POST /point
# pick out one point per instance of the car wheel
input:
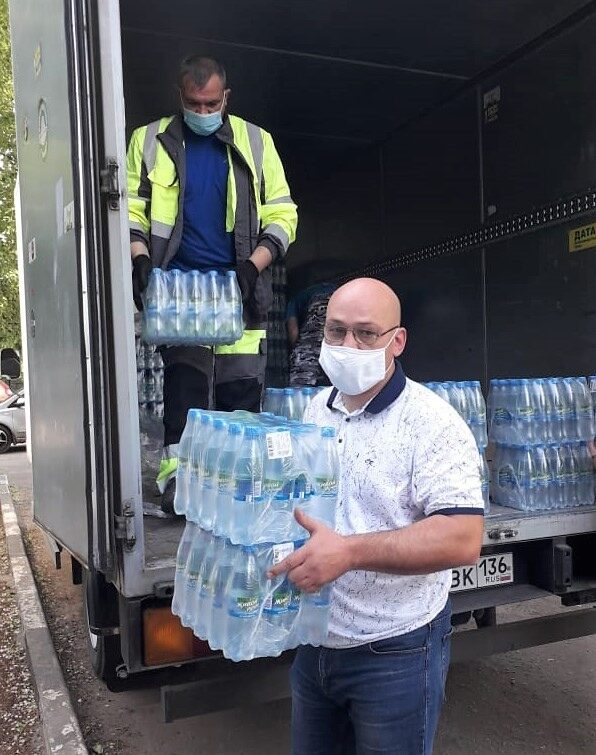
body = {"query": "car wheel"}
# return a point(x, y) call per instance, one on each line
point(6, 439)
point(104, 650)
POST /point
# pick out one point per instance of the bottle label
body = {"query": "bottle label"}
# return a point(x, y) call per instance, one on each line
point(245, 606)
point(326, 485)
point(223, 480)
point(501, 416)
point(279, 445)
point(279, 601)
point(246, 490)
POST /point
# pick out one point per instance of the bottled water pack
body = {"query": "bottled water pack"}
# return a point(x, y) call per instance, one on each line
point(290, 403)
point(223, 594)
point(467, 399)
point(541, 410)
point(192, 308)
point(536, 477)
point(240, 477)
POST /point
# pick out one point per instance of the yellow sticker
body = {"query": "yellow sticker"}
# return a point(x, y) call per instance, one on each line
point(582, 238)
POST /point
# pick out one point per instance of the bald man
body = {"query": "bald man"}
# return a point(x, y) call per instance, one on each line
point(410, 508)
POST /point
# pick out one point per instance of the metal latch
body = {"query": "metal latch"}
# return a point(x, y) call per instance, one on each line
point(504, 534)
point(110, 185)
point(125, 528)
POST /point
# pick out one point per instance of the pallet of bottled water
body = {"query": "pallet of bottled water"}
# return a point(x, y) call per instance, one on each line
point(540, 410)
point(467, 400)
point(192, 308)
point(290, 403)
point(240, 477)
point(543, 476)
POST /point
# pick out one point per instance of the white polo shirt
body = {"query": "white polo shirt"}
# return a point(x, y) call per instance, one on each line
point(405, 456)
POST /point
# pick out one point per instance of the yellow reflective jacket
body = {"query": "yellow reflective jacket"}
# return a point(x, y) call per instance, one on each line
point(259, 210)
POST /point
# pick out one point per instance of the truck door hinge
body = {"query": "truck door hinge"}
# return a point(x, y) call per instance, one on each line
point(125, 528)
point(110, 184)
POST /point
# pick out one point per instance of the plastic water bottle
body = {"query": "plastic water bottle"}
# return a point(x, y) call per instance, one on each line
point(244, 603)
point(568, 409)
point(155, 302)
point(202, 617)
point(225, 480)
point(326, 478)
point(233, 305)
point(586, 475)
point(314, 616)
point(181, 561)
point(484, 482)
point(524, 412)
point(538, 399)
point(583, 409)
point(222, 572)
point(197, 296)
point(287, 407)
point(211, 453)
point(200, 439)
point(177, 307)
point(248, 502)
point(308, 393)
point(191, 576)
point(182, 495)
point(553, 410)
point(541, 489)
point(276, 489)
point(592, 387)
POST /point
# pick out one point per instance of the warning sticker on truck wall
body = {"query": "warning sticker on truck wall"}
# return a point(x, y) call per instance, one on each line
point(491, 101)
point(582, 238)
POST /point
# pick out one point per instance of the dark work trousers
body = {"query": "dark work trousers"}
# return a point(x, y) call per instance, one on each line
point(197, 378)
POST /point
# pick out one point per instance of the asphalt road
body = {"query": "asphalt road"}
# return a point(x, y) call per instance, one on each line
point(540, 700)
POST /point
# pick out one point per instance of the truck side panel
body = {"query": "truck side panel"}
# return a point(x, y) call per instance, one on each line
point(53, 299)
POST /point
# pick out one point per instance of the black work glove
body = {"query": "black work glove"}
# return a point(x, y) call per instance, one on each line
point(141, 270)
point(247, 274)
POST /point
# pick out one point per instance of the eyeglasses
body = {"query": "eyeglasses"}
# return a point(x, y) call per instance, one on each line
point(336, 334)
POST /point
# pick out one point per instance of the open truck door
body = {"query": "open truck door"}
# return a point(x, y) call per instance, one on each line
point(67, 187)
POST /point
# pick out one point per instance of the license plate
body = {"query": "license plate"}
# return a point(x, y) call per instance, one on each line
point(488, 571)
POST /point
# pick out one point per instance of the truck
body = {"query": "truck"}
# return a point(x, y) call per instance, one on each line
point(445, 148)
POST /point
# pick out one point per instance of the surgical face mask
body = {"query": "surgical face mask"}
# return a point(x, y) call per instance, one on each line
point(204, 125)
point(353, 371)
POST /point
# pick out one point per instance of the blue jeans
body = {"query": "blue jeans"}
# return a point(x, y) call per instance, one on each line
point(382, 697)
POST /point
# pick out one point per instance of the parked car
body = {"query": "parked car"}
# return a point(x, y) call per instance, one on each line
point(12, 422)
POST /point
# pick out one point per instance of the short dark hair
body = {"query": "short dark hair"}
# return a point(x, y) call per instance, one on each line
point(200, 69)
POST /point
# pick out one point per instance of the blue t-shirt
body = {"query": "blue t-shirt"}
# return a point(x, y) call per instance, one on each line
point(205, 243)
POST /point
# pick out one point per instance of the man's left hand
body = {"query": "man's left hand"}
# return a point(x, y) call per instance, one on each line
point(247, 274)
point(323, 558)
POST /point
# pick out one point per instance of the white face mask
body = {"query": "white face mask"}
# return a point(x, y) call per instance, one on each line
point(353, 371)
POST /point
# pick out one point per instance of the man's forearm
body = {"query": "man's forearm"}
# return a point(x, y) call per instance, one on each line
point(261, 258)
point(137, 248)
point(433, 544)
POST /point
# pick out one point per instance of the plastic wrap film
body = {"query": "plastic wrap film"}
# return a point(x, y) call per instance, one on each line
point(240, 478)
point(192, 308)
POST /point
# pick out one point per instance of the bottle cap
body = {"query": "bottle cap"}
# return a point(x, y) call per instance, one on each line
point(328, 432)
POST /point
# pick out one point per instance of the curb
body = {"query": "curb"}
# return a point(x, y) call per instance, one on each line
point(60, 728)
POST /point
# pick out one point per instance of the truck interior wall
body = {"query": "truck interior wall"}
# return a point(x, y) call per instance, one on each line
point(369, 189)
point(540, 151)
point(535, 298)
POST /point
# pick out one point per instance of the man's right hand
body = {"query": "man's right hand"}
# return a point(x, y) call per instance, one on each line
point(141, 270)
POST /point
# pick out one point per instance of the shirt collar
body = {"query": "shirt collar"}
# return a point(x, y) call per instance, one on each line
point(389, 393)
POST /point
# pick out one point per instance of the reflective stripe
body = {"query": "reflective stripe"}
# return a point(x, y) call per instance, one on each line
point(150, 145)
point(281, 200)
point(231, 198)
point(163, 230)
point(134, 226)
point(255, 139)
point(167, 470)
point(250, 343)
point(276, 230)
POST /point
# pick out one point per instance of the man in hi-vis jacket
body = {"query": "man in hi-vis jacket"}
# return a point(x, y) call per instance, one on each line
point(206, 191)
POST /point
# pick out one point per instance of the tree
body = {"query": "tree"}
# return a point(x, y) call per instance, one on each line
point(9, 282)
